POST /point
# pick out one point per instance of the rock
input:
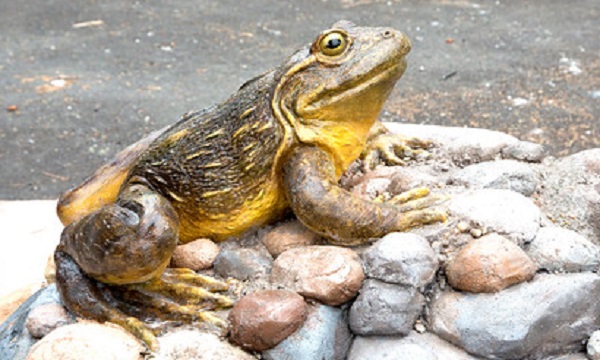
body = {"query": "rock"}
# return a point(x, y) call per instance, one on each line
point(593, 346)
point(11, 302)
point(87, 340)
point(489, 264)
point(288, 236)
point(502, 211)
point(412, 347)
point(553, 314)
point(570, 194)
point(401, 258)
point(191, 345)
point(577, 356)
point(263, 319)
point(391, 179)
point(462, 145)
point(46, 318)
point(329, 274)
point(558, 249)
point(196, 255)
point(324, 336)
point(501, 174)
point(525, 151)
point(15, 339)
point(242, 264)
point(385, 309)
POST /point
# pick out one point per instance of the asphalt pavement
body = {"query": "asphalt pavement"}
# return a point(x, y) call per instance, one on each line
point(80, 80)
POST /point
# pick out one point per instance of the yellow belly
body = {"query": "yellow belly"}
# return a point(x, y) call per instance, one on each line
point(268, 205)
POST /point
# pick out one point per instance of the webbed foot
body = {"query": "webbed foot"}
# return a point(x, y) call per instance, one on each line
point(178, 295)
point(419, 207)
point(393, 149)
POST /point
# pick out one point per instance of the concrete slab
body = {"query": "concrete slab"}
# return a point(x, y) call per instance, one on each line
point(31, 230)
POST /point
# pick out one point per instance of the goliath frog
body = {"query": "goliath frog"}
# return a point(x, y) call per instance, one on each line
point(281, 142)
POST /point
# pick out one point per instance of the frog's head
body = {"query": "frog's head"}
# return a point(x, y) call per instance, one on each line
point(332, 91)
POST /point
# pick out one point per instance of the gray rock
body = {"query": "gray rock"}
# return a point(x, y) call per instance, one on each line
point(501, 174)
point(558, 249)
point(385, 309)
point(551, 315)
point(576, 356)
point(242, 264)
point(503, 211)
point(593, 346)
point(525, 151)
point(324, 336)
point(15, 340)
point(570, 194)
point(415, 346)
point(462, 145)
point(401, 258)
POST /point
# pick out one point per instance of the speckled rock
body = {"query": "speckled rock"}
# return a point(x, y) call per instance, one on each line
point(385, 309)
point(489, 264)
point(324, 336)
point(570, 195)
point(87, 340)
point(462, 145)
point(46, 318)
point(551, 315)
point(558, 249)
point(288, 236)
point(501, 174)
point(242, 264)
point(415, 346)
point(502, 211)
point(192, 345)
point(330, 274)
point(525, 151)
point(593, 346)
point(263, 319)
point(196, 255)
point(401, 258)
point(15, 339)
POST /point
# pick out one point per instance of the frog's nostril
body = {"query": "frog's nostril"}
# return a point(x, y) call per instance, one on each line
point(388, 33)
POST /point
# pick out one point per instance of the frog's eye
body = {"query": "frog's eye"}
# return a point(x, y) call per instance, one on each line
point(333, 44)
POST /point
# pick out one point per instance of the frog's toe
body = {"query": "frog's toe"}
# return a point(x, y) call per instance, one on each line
point(189, 276)
point(185, 288)
point(416, 218)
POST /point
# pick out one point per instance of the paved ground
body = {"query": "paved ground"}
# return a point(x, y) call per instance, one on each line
point(81, 79)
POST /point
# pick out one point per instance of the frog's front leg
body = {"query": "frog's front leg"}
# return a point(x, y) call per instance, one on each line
point(392, 149)
point(323, 206)
point(111, 266)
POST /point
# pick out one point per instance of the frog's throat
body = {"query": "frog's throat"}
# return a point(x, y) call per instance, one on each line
point(285, 117)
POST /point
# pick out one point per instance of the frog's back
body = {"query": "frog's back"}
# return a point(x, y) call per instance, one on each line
point(218, 167)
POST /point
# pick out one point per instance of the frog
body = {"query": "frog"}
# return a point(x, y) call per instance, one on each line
point(279, 144)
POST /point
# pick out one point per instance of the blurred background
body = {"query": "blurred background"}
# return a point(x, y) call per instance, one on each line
point(80, 80)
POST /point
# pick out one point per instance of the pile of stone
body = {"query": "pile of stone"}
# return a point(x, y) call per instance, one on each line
point(512, 274)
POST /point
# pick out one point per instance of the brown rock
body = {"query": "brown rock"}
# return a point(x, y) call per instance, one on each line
point(288, 236)
point(87, 340)
point(489, 264)
point(46, 318)
point(196, 255)
point(10, 302)
point(265, 318)
point(333, 275)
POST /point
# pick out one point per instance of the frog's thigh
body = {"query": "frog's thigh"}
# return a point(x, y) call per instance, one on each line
point(128, 242)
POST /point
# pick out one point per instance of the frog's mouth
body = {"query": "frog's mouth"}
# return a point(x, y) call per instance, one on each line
point(377, 82)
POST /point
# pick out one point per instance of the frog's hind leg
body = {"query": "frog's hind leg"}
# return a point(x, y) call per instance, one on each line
point(87, 298)
point(119, 254)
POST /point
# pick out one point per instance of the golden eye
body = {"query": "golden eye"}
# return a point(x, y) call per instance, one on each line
point(333, 44)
